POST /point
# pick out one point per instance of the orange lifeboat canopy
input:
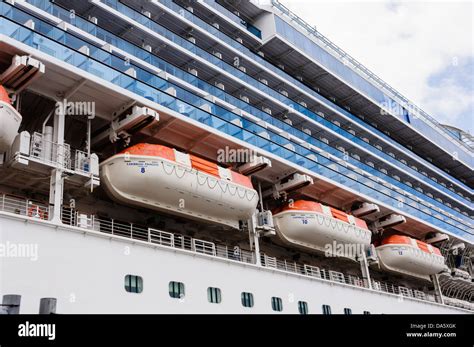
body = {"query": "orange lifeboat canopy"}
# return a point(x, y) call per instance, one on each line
point(167, 180)
point(406, 240)
point(4, 96)
point(197, 163)
point(314, 226)
point(406, 255)
point(312, 206)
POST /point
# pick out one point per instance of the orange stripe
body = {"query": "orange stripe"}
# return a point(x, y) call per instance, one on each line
point(301, 205)
point(339, 215)
point(4, 95)
point(197, 163)
point(151, 150)
point(406, 240)
point(361, 223)
point(397, 239)
point(241, 179)
point(204, 166)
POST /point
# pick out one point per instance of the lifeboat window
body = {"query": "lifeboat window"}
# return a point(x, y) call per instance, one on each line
point(133, 284)
point(366, 312)
point(303, 307)
point(214, 295)
point(247, 299)
point(176, 290)
point(277, 304)
point(347, 311)
point(326, 309)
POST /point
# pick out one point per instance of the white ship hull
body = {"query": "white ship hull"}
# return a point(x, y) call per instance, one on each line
point(85, 271)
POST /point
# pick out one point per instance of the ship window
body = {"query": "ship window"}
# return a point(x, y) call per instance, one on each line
point(326, 309)
point(366, 312)
point(176, 289)
point(303, 307)
point(133, 284)
point(247, 299)
point(214, 295)
point(347, 311)
point(277, 304)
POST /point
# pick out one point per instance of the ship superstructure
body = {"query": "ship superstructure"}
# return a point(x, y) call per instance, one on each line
point(165, 156)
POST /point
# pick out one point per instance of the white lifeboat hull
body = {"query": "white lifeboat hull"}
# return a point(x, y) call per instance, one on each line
point(409, 259)
point(168, 186)
point(10, 121)
point(318, 232)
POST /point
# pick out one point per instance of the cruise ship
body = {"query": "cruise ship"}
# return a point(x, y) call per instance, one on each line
point(214, 157)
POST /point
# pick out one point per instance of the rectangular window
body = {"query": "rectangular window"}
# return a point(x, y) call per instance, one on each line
point(366, 312)
point(133, 284)
point(214, 295)
point(277, 304)
point(176, 289)
point(247, 299)
point(326, 309)
point(347, 311)
point(303, 307)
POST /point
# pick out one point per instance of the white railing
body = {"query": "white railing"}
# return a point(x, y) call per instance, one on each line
point(26, 207)
point(50, 152)
point(63, 156)
point(31, 208)
point(154, 236)
point(339, 277)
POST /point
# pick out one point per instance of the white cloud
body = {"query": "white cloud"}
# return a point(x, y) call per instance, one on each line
point(404, 43)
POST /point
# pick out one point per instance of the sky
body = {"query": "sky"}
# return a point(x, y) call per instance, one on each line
point(424, 49)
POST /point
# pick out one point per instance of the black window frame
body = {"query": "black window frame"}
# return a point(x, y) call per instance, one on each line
point(176, 289)
point(133, 283)
point(247, 299)
point(327, 309)
point(214, 295)
point(277, 304)
point(303, 307)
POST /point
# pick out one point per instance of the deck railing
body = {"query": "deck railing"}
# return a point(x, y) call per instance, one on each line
point(38, 210)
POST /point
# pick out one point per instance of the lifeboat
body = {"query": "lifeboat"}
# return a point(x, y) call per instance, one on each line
point(316, 227)
point(10, 121)
point(164, 179)
point(403, 254)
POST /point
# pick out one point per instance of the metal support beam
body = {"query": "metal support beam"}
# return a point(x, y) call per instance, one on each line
point(437, 288)
point(364, 267)
point(57, 181)
point(197, 140)
point(254, 239)
point(78, 85)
